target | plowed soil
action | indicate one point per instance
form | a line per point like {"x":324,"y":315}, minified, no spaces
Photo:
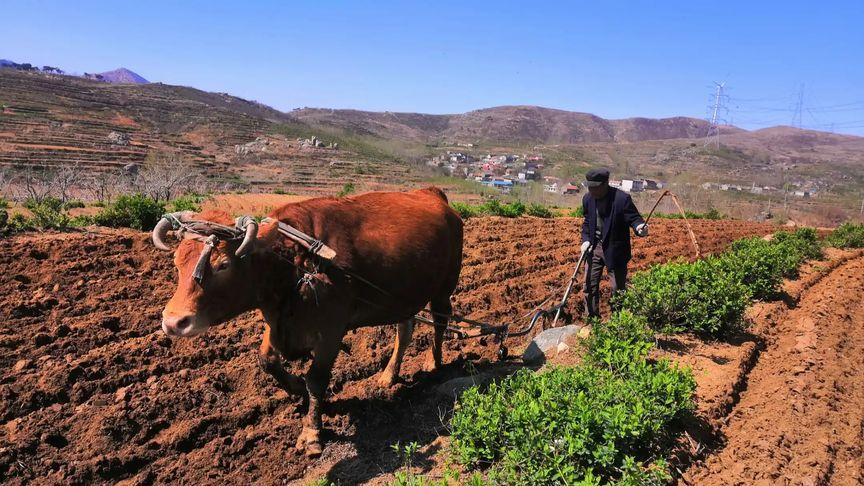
{"x":93,"y":392}
{"x":799,"y":417}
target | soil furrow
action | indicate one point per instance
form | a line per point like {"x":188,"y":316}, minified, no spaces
{"x":799,"y":420}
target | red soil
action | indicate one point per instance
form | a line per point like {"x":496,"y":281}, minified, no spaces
{"x":92,"y":391}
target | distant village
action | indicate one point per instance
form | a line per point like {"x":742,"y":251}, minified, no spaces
{"x":803,"y":190}
{"x":507,"y":171}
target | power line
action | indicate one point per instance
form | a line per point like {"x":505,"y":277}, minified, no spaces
{"x":797,"y":115}
{"x":714,"y":129}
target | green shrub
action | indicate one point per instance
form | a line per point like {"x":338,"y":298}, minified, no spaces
{"x":347,"y":189}
{"x":187,"y":202}
{"x":4,"y":213}
{"x":19,"y":222}
{"x":465,"y":210}
{"x":81,"y":220}
{"x":569,"y":425}
{"x":579,"y":212}
{"x":49,"y":213}
{"x":801,"y":244}
{"x":847,"y":235}
{"x":131,"y":211}
{"x":494,"y":207}
{"x":539,"y":211}
{"x":679,"y":296}
{"x":617,"y":343}
{"x":759,"y":264}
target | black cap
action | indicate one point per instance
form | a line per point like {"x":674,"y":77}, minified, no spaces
{"x":596,"y":177}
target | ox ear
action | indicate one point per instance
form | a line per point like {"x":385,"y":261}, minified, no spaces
{"x":268,"y":230}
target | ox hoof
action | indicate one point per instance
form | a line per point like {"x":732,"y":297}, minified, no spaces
{"x":387,"y":379}
{"x":309,"y":442}
{"x":431,"y":365}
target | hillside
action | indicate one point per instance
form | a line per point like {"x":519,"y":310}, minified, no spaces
{"x":505,"y":125}
{"x":52,"y":120}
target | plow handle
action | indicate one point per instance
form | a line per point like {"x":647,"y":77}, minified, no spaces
{"x":570,"y":285}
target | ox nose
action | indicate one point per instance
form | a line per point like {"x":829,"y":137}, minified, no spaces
{"x":177,"y":325}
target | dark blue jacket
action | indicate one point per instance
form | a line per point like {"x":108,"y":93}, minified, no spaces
{"x":623,"y":215}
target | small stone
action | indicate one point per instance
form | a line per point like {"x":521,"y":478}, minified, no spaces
{"x":184,"y":373}
{"x":546,"y":342}
{"x":41,"y":339}
{"x":100,"y":402}
{"x":585,"y":332}
{"x":122,"y":394}
{"x":563,"y":347}
{"x":455,"y":387}
{"x":21,"y":365}
{"x":56,"y":288}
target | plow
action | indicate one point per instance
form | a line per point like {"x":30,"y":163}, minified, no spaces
{"x":548,"y":317}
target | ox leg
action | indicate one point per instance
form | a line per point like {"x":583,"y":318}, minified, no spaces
{"x":270,"y":361}
{"x":317,"y":379}
{"x":403,"y":338}
{"x":441,"y":309}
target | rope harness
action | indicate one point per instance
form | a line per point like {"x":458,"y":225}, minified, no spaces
{"x":211,"y":234}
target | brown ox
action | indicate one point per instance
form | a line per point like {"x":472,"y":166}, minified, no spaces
{"x":407,"y":246}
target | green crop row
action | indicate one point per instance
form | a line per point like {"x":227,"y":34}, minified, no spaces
{"x":608,"y":420}
{"x":709,"y":296}
{"x":493,"y":207}
{"x":847,"y":235}
{"x":605,"y":420}
{"x":710,"y":214}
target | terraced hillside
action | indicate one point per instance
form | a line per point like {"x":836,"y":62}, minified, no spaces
{"x":52,"y":120}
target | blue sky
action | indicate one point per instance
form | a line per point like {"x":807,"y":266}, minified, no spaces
{"x":612,"y":58}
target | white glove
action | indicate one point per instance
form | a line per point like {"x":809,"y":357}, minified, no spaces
{"x":642,"y":229}
{"x":585,"y":246}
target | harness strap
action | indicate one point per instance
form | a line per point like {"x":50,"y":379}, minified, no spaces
{"x":315,"y":246}
{"x":204,"y":259}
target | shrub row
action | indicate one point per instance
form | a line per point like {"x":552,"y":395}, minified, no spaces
{"x":597,"y":422}
{"x":493,"y":207}
{"x":709,"y":296}
{"x":135,"y":211}
{"x":847,"y":235}
{"x":710,"y":214}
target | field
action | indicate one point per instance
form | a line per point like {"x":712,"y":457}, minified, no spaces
{"x":92,"y":390}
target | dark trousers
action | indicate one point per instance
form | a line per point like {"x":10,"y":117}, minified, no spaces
{"x":594,"y":265}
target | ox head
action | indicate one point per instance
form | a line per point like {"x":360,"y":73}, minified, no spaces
{"x":214,"y":261}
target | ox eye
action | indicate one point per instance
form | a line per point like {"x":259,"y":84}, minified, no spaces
{"x":222,"y":265}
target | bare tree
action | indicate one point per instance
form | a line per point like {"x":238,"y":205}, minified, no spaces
{"x":164,"y":176}
{"x":102,"y":185}
{"x":65,"y":179}
{"x":35,"y":183}
{"x":5,"y":182}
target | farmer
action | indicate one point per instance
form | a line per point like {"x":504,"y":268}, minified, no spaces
{"x":609,"y":215}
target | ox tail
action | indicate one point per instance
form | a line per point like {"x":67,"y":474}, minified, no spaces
{"x":436,"y":191}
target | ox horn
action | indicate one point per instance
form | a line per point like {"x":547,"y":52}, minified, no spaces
{"x":165,"y":224}
{"x":251,"y":228}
